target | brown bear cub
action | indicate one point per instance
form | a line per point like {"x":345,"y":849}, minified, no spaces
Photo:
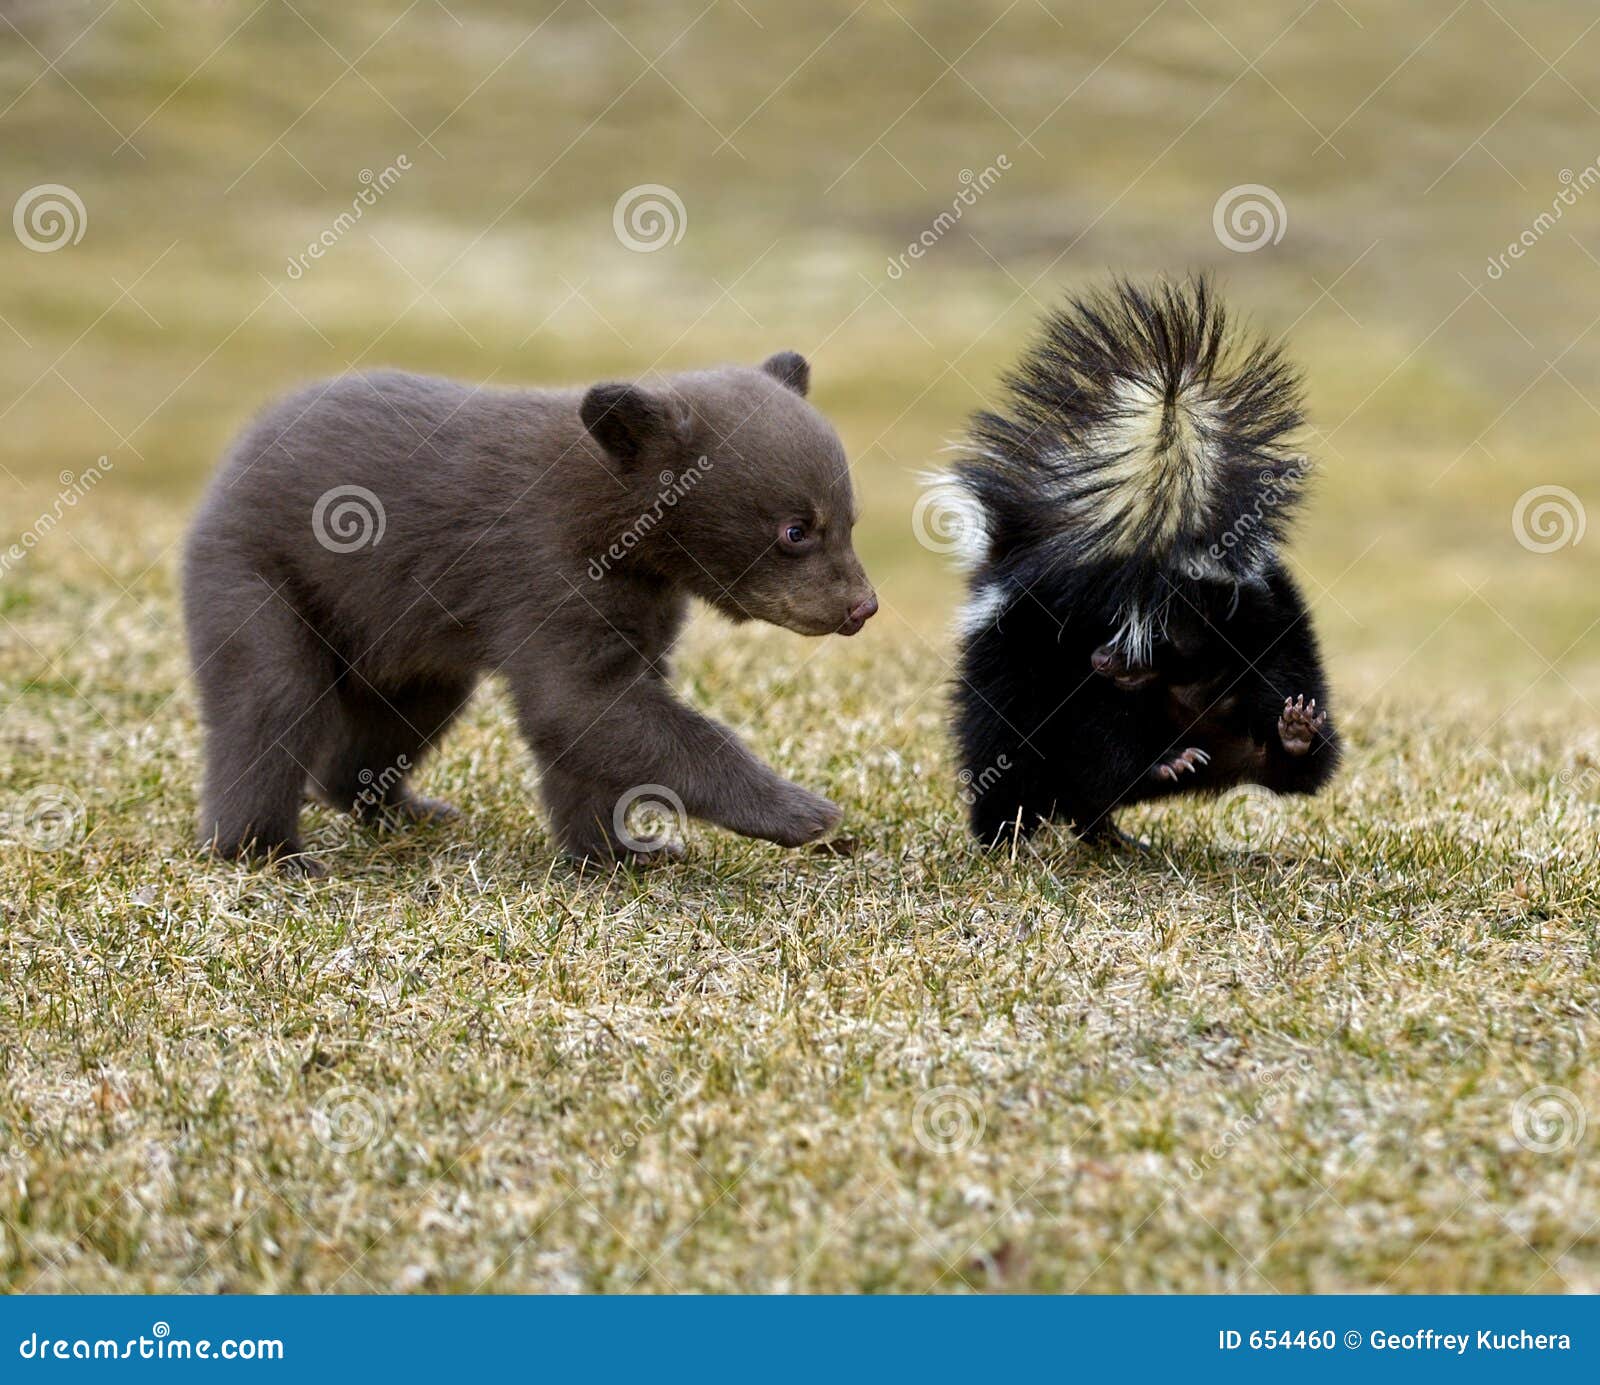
{"x":372,"y":546}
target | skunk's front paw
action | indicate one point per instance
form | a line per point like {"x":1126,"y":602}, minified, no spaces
{"x":802,"y":816}
{"x":1186,"y":762}
{"x":1299,"y":724}
{"x":1110,"y":662}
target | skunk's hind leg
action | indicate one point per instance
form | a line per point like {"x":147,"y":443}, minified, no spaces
{"x":1007,"y":782}
{"x":1071,"y":763}
{"x":1007,"y":804}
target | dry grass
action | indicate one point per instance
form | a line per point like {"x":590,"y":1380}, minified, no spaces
{"x":456,"y":1065}
{"x":459,"y":1066}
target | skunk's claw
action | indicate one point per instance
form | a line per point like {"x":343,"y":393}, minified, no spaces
{"x":1186,"y":762}
{"x":1299,"y":724}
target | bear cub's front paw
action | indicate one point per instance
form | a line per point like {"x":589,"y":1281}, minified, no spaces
{"x":801,"y":816}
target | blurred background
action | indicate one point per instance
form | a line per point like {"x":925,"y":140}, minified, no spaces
{"x":555,"y":192}
{"x":212,"y":201}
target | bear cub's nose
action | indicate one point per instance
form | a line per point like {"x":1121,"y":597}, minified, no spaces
{"x":859,"y":614}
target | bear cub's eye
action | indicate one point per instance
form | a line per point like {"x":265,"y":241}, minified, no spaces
{"x":795,"y":536}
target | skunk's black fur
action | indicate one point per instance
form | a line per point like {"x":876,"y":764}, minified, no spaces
{"x":1127,"y":602}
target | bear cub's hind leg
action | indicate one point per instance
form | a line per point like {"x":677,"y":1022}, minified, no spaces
{"x":264,"y":702}
{"x":376,"y":743}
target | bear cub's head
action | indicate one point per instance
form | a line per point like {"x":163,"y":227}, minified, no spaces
{"x":743,"y":493}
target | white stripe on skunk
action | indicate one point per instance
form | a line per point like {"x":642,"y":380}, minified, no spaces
{"x":1143,"y":435}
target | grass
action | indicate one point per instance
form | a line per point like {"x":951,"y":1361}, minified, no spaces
{"x":1343,"y":1045}
{"x":458,"y":1066}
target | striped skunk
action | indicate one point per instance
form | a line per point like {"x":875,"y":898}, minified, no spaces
{"x":1131,"y":631}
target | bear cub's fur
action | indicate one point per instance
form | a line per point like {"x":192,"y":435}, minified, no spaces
{"x":373,"y":546}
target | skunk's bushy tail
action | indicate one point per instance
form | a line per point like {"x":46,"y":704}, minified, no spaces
{"x":1143,"y":433}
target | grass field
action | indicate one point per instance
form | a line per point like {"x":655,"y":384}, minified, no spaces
{"x":1343,"y":1045}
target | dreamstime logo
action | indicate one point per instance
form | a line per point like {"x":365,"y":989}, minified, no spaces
{"x":1547,"y":518}
{"x":347,"y":518}
{"x":348,"y":1118}
{"x":375,"y":787}
{"x":369,"y":802}
{"x":15,"y":1143}
{"x":160,"y":1345}
{"x":649,"y":817}
{"x":373,"y":186}
{"x":974,"y":786}
{"x":48,"y":817}
{"x":947,"y":1119}
{"x":947,"y":519}
{"x":1581,"y":779}
{"x":1277,"y":488}
{"x":973,"y":186}
{"x":649,"y":217}
{"x":674,"y":487}
{"x":1249,"y":818}
{"x":73,"y":489}
{"x":1547,"y":1119}
{"x":1249,"y":216}
{"x":1572,"y":188}
{"x":671,"y":1083}
{"x":1269,"y":1088}
{"x":49,"y":216}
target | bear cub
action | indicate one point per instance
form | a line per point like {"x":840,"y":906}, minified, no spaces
{"x":374,"y":545}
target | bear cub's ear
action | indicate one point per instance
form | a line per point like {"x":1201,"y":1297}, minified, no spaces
{"x":790,"y":368}
{"x":627,"y":420}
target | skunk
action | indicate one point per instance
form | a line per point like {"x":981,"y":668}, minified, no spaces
{"x":1130,"y":630}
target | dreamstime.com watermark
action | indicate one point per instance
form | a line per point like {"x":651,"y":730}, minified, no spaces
{"x":1268,"y":1089}
{"x":1250,"y":818}
{"x":348,"y":1119}
{"x":674,"y":486}
{"x":1546,"y":518}
{"x":73,"y":488}
{"x":671,"y":1084}
{"x":1276,"y":489}
{"x":1547,"y":1120}
{"x":649,"y":217}
{"x":17,"y":1143}
{"x":974,"y":786}
{"x":47,"y":817}
{"x":650,"y":818}
{"x":1573,"y":186}
{"x":973,"y":186}
{"x":1583,"y":780}
{"x":1249,"y":216}
{"x":948,"y":1119}
{"x":370,"y":802}
{"x":346,"y":518}
{"x":373,"y":186}
{"x":48,"y":217}
{"x":947,"y":519}
{"x":160,"y":1345}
